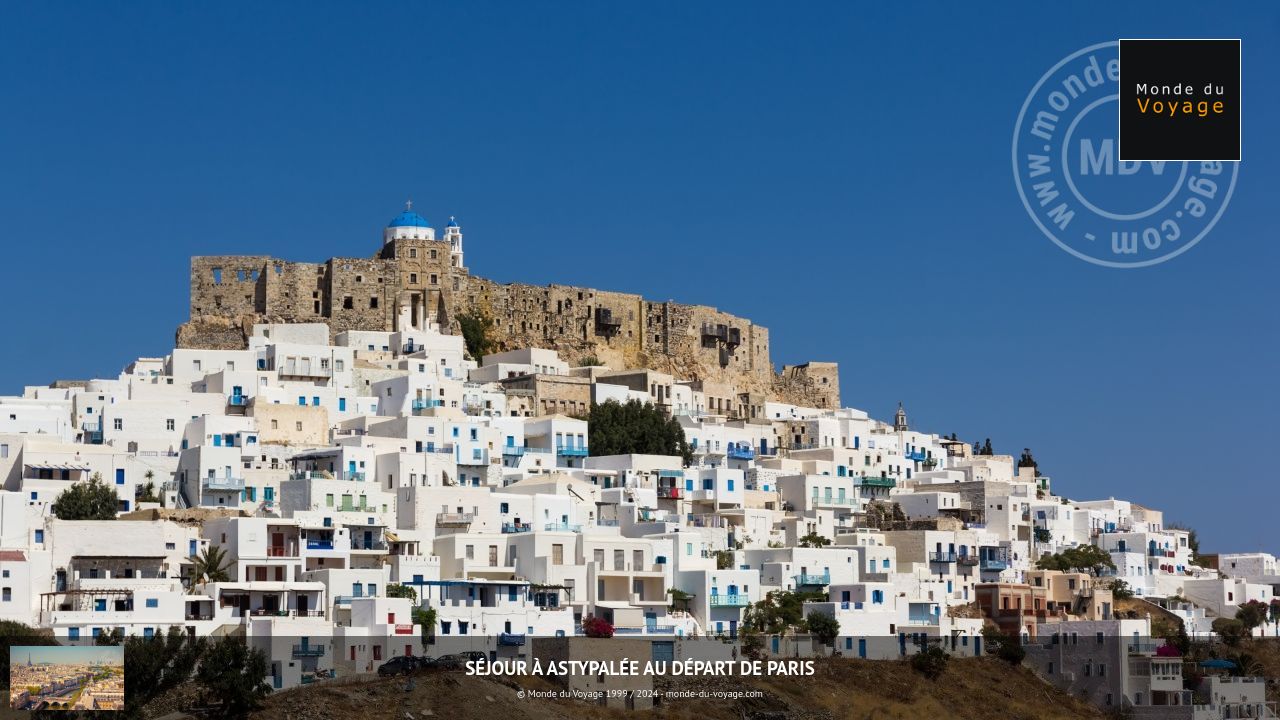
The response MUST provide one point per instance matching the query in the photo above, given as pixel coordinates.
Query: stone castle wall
(622, 330)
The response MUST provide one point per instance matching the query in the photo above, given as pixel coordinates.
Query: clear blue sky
(859, 156)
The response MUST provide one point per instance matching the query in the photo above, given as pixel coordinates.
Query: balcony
(673, 493)
(970, 560)
(349, 506)
(223, 484)
(238, 401)
(301, 651)
(917, 456)
(371, 544)
(806, 579)
(510, 528)
(342, 599)
(290, 550)
(942, 557)
(454, 519)
(741, 453)
(513, 451)
(562, 527)
(296, 369)
(736, 600)
(319, 544)
(420, 404)
(878, 482)
(510, 639)
(994, 565)
(567, 451)
(824, 500)
(92, 433)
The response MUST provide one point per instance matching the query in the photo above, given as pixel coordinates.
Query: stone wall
(622, 330)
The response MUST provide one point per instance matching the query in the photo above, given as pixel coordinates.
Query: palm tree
(209, 566)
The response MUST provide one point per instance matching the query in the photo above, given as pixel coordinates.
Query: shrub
(1006, 647)
(594, 627)
(930, 662)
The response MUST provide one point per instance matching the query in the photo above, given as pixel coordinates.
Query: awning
(57, 466)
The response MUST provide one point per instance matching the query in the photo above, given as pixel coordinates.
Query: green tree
(1252, 614)
(475, 333)
(396, 590)
(90, 500)
(234, 675)
(1231, 631)
(155, 665)
(724, 559)
(1028, 460)
(814, 540)
(824, 626)
(635, 428)
(778, 612)
(208, 567)
(425, 617)
(1120, 590)
(1084, 558)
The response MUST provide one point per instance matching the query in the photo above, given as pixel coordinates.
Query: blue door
(977, 644)
(862, 647)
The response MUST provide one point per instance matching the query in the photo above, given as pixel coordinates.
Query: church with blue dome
(409, 225)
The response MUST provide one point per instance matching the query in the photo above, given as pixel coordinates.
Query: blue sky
(836, 173)
(66, 654)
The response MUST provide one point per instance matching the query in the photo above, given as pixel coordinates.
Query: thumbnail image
(52, 677)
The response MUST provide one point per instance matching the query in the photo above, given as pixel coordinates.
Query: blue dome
(452, 222)
(408, 218)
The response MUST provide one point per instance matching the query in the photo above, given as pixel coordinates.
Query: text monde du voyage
(1180, 99)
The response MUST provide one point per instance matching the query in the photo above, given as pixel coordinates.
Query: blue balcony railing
(741, 453)
(562, 527)
(511, 639)
(223, 484)
(319, 545)
(735, 600)
(807, 579)
(994, 565)
(917, 456)
(516, 528)
(342, 599)
(879, 482)
(513, 451)
(308, 651)
(566, 451)
(425, 403)
(237, 401)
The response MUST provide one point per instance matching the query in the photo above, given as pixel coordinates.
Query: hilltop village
(324, 467)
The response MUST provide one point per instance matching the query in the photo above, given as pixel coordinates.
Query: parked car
(425, 662)
(450, 662)
(401, 665)
(474, 655)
